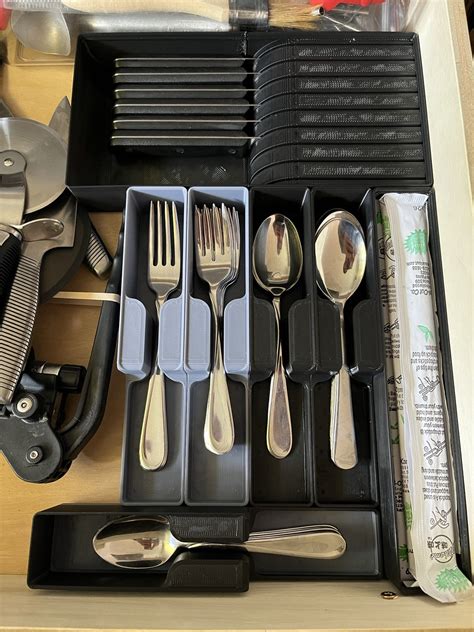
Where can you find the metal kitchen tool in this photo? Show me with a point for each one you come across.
(169, 142)
(180, 91)
(42, 154)
(97, 256)
(179, 76)
(19, 314)
(186, 106)
(277, 264)
(140, 543)
(179, 62)
(36, 438)
(164, 272)
(340, 267)
(189, 122)
(217, 248)
(11, 238)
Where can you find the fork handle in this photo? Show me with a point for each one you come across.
(219, 423)
(154, 439)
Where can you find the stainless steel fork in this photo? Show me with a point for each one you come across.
(164, 266)
(217, 239)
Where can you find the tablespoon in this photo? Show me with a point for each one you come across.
(141, 543)
(340, 267)
(277, 265)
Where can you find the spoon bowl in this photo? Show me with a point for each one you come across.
(277, 255)
(340, 267)
(340, 255)
(277, 264)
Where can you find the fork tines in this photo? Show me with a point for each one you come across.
(164, 242)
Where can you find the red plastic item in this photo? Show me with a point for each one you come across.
(329, 5)
(4, 16)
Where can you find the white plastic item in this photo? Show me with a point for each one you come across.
(213, 9)
(423, 416)
(34, 5)
(394, 394)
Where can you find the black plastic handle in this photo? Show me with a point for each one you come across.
(10, 251)
(90, 409)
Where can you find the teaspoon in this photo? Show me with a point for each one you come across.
(340, 267)
(141, 543)
(277, 265)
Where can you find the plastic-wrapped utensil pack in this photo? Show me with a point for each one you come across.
(418, 415)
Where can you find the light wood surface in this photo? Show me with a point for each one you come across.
(65, 333)
(267, 606)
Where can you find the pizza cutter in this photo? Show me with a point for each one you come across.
(32, 175)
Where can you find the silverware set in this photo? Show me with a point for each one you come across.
(340, 256)
(277, 262)
(217, 246)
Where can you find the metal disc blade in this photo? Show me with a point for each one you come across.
(45, 154)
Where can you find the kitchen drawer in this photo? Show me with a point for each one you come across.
(94, 477)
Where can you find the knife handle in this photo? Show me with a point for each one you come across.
(16, 327)
(10, 251)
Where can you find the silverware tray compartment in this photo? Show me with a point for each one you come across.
(62, 555)
(219, 479)
(288, 480)
(364, 339)
(137, 348)
(192, 474)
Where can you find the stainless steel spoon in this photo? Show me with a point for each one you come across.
(277, 265)
(340, 267)
(140, 543)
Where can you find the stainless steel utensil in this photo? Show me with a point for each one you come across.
(19, 315)
(277, 266)
(340, 267)
(217, 241)
(45, 156)
(142, 543)
(164, 271)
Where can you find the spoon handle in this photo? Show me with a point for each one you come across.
(323, 545)
(317, 544)
(279, 433)
(342, 437)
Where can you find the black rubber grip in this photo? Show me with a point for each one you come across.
(10, 251)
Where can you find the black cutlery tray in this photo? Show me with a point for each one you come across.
(360, 130)
(349, 98)
(303, 488)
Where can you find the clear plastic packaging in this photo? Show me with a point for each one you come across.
(418, 417)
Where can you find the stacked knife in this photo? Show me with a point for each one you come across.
(184, 106)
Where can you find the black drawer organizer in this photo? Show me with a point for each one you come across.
(342, 119)
(327, 106)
